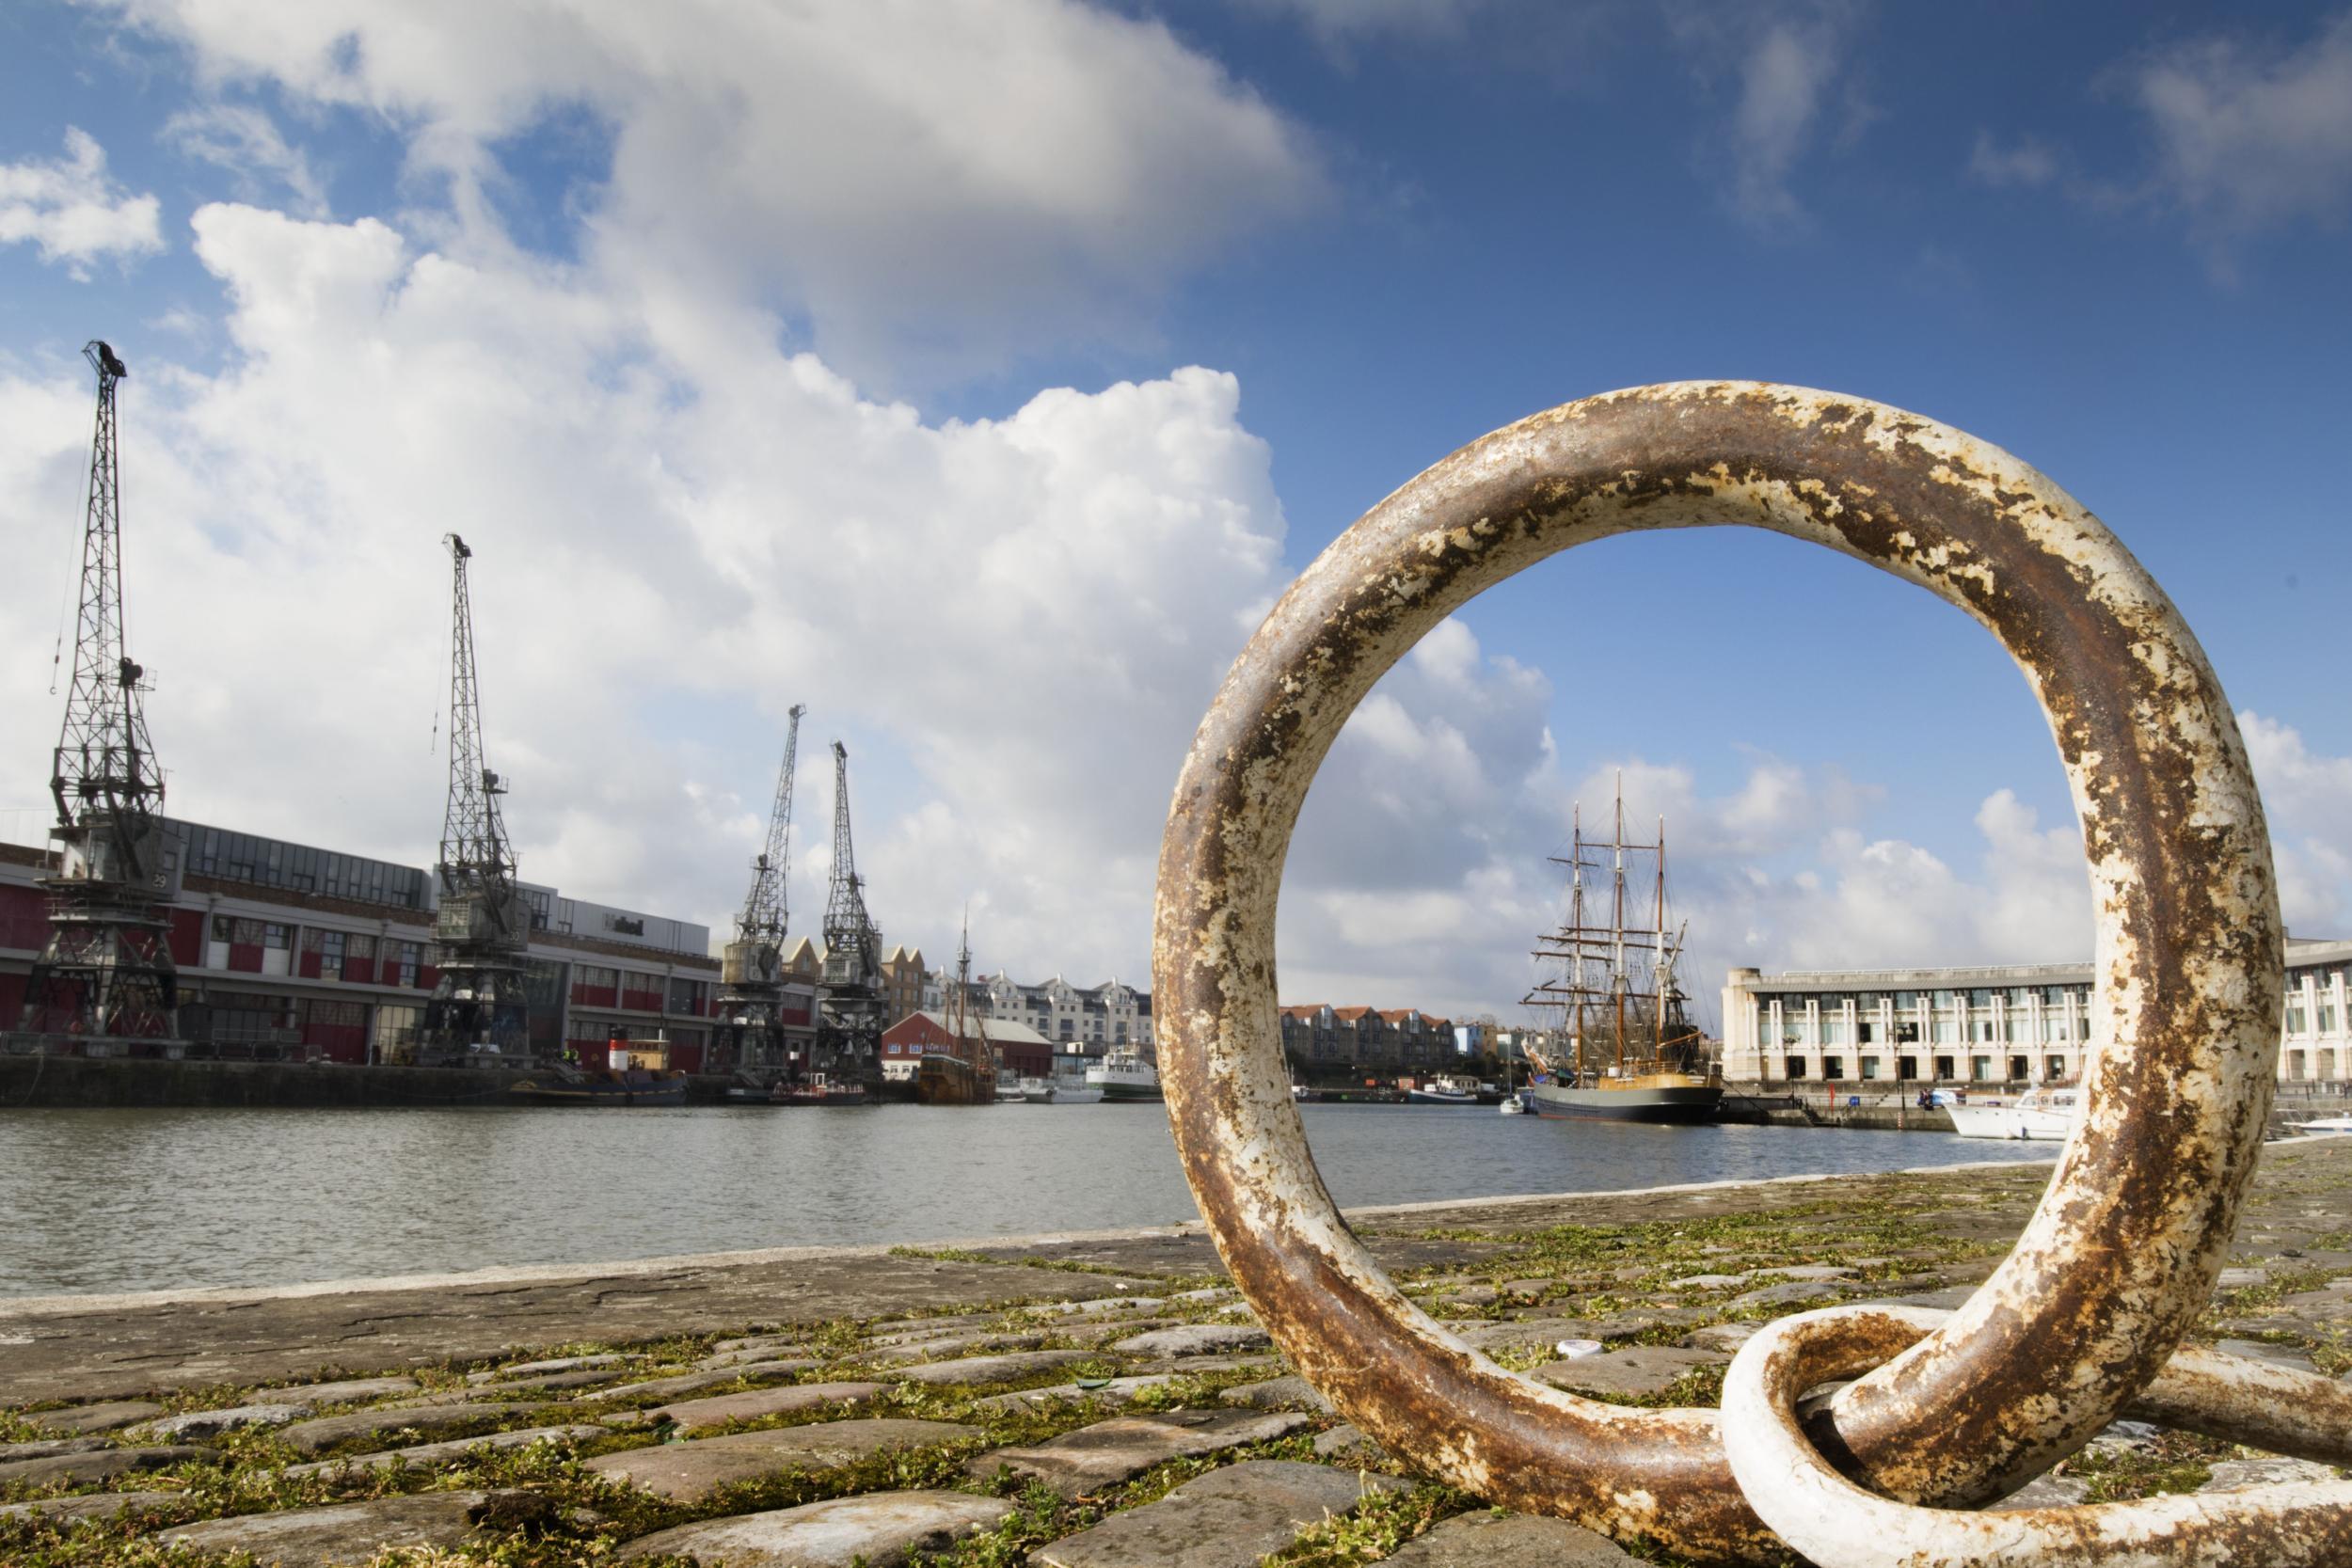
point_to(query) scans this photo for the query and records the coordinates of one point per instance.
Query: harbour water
(110, 1200)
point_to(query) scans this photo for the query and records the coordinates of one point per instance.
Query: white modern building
(1994, 1024)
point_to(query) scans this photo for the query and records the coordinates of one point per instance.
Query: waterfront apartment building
(287, 952)
(1080, 1019)
(1401, 1039)
(1994, 1024)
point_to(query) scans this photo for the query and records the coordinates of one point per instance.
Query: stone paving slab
(1115, 1391)
(106, 1415)
(212, 1424)
(1281, 1393)
(904, 1350)
(433, 1453)
(1487, 1540)
(550, 1364)
(318, 1436)
(690, 1383)
(344, 1391)
(1112, 1451)
(341, 1535)
(95, 1464)
(155, 1342)
(1642, 1370)
(990, 1368)
(879, 1529)
(1195, 1340)
(1229, 1518)
(93, 1505)
(694, 1468)
(691, 1415)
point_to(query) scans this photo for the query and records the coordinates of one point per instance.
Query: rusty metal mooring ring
(2124, 1250)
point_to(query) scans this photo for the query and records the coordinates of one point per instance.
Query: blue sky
(546, 278)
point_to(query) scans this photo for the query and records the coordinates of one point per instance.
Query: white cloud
(2252, 138)
(2308, 798)
(1337, 21)
(73, 211)
(2027, 161)
(1786, 63)
(935, 188)
(672, 543)
(246, 142)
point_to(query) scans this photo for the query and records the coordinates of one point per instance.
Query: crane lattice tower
(751, 972)
(104, 983)
(480, 1013)
(849, 996)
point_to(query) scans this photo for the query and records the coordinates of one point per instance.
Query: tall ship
(1126, 1074)
(962, 1071)
(1623, 1047)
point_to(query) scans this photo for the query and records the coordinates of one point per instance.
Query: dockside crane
(480, 1014)
(104, 983)
(751, 972)
(850, 997)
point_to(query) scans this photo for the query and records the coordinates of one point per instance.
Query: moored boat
(1037, 1091)
(941, 1079)
(1070, 1081)
(1443, 1091)
(635, 1073)
(1625, 1047)
(1126, 1074)
(2038, 1115)
(818, 1090)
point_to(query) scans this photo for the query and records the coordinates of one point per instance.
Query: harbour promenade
(1080, 1400)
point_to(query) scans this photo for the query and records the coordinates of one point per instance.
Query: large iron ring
(2123, 1251)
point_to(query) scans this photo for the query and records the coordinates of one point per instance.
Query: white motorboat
(1070, 1081)
(2038, 1115)
(1126, 1074)
(2325, 1126)
(1038, 1091)
(1443, 1091)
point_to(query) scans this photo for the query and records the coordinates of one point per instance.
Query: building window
(2294, 1065)
(2295, 1015)
(1980, 1070)
(1944, 1030)
(2020, 1070)
(2054, 1067)
(1869, 1067)
(1906, 1068)
(1795, 1067)
(1834, 1029)
(1944, 1072)
(1832, 1066)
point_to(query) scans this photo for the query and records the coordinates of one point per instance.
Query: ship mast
(1614, 981)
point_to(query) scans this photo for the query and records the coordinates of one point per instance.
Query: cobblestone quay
(1099, 1399)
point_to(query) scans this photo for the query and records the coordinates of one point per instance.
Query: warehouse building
(2007, 1024)
(286, 952)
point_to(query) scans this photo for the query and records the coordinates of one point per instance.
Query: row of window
(268, 863)
(2014, 1029)
(1981, 1070)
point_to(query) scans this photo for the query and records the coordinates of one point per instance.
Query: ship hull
(663, 1090)
(1676, 1104)
(1127, 1091)
(951, 1081)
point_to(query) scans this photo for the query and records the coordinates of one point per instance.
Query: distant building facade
(289, 952)
(1402, 1039)
(1996, 1025)
(1019, 1049)
(902, 983)
(1078, 1020)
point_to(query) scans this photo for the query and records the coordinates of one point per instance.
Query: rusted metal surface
(2125, 1248)
(1836, 1524)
